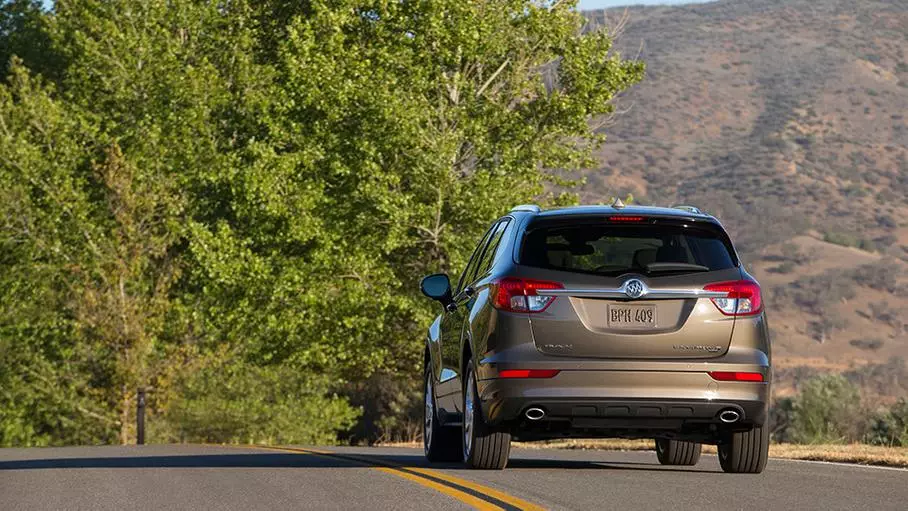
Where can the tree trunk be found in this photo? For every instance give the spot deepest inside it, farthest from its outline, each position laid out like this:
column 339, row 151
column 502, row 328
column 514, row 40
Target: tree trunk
column 124, row 416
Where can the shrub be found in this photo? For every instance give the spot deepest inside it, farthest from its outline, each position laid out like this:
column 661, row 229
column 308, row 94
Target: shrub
column 887, row 379
column 825, row 325
column 867, row 245
column 840, row 238
column 890, row 427
column 882, row 312
column 791, row 252
column 806, row 141
column 817, row 293
column 392, row 406
column 786, row 267
column 825, row 411
column 780, row 418
column 867, row 344
column 229, row 401
column 882, row 276
column 887, row 221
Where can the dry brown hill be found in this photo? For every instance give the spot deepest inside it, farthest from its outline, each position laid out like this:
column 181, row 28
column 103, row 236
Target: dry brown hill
column 787, row 120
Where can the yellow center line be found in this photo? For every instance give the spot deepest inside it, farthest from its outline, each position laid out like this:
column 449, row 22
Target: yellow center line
column 466, row 498
column 405, row 473
column 479, row 488
column 491, row 492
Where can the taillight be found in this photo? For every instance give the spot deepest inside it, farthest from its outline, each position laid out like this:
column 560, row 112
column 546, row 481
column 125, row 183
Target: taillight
column 735, row 376
column 519, row 295
column 743, row 299
column 528, row 373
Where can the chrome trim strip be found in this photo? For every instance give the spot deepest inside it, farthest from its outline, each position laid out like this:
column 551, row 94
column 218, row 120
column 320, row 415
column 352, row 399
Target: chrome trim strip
column 620, row 293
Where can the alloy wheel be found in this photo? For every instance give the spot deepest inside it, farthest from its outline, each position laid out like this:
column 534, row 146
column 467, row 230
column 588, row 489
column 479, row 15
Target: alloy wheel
column 429, row 415
column 468, row 417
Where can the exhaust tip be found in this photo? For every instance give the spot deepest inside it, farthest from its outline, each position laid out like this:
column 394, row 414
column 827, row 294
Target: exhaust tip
column 729, row 416
column 534, row 414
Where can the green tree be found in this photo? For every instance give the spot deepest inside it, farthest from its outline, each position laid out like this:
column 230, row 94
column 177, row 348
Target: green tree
column 96, row 230
column 24, row 33
column 47, row 374
column 269, row 179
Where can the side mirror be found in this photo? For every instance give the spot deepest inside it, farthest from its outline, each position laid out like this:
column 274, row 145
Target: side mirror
column 437, row 287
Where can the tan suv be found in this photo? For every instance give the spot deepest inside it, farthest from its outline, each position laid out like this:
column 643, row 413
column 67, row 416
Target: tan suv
column 599, row 321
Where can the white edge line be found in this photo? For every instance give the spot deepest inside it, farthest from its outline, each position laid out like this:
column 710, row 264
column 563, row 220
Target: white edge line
column 843, row 464
column 834, row 463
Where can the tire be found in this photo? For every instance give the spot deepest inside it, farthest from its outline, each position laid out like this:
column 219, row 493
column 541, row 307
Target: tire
column 745, row 452
column 440, row 443
column 677, row 452
column 484, row 447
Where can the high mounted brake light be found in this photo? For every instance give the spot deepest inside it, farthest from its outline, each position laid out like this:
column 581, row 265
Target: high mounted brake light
column 519, row 295
column 623, row 218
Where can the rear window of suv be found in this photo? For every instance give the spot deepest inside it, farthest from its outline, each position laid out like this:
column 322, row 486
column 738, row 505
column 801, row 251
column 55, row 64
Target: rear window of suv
column 614, row 249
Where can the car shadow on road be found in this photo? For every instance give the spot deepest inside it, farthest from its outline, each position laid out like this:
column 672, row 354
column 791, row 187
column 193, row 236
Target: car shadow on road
column 521, row 462
column 251, row 460
column 536, row 463
column 300, row 460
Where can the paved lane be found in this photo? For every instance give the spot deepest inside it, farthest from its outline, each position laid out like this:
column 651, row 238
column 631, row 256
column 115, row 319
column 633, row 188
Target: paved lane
column 213, row 477
column 200, row 477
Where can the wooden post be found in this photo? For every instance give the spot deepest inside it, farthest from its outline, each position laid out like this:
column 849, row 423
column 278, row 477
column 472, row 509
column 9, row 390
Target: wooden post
column 140, row 417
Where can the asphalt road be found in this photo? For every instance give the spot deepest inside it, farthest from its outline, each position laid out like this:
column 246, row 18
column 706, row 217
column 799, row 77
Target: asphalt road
column 215, row 477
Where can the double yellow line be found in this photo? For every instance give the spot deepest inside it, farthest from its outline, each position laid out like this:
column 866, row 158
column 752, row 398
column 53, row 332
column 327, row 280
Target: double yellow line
column 473, row 494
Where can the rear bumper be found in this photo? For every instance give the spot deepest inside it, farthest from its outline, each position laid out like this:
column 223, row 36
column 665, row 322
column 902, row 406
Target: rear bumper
column 631, row 400
column 629, row 413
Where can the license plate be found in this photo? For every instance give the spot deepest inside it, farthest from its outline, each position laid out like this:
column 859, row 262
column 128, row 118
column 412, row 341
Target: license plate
column 632, row 316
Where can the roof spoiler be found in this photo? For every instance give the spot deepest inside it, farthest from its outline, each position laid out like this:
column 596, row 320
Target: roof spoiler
column 532, row 208
column 690, row 209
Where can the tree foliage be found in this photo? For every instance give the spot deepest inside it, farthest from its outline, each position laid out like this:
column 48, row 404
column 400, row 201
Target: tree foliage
column 232, row 202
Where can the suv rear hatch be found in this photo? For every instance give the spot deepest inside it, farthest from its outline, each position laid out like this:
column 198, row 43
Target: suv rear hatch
column 601, row 265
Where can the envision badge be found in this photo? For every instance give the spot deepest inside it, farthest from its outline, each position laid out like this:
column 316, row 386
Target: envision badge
column 558, row 347
column 634, row 288
column 711, row 348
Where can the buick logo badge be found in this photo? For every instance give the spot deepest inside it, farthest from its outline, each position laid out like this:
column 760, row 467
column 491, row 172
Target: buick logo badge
column 634, row 288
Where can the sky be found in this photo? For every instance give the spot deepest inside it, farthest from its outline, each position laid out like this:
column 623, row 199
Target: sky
column 599, row 4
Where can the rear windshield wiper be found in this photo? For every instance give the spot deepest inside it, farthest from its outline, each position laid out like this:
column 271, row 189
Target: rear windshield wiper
column 660, row 267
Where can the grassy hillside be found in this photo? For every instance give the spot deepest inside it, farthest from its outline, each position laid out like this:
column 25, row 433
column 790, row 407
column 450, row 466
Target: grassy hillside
column 787, row 120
